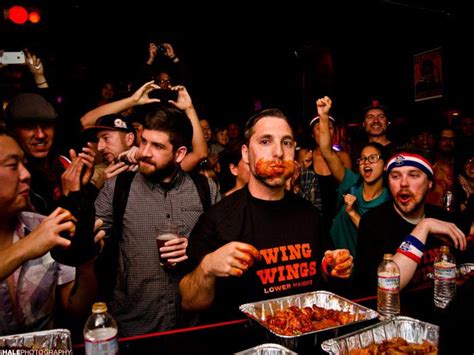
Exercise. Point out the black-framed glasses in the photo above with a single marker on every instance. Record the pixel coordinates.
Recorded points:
(371, 158)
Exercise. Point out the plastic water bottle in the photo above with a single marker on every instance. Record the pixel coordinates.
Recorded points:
(388, 288)
(444, 278)
(100, 332)
(448, 201)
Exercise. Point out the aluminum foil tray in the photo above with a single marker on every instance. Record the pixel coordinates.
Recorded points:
(410, 329)
(267, 349)
(259, 311)
(55, 339)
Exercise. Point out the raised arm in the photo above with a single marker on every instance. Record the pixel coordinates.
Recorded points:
(139, 97)
(35, 66)
(199, 144)
(198, 287)
(349, 201)
(325, 139)
(152, 52)
(411, 250)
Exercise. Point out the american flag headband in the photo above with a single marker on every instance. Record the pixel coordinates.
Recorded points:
(407, 159)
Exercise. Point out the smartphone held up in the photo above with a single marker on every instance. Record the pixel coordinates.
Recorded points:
(12, 57)
(164, 95)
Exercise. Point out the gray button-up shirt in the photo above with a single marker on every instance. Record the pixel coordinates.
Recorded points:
(146, 295)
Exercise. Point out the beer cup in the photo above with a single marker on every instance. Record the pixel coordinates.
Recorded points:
(164, 233)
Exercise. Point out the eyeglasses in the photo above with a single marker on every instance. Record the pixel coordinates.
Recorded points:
(371, 158)
(162, 81)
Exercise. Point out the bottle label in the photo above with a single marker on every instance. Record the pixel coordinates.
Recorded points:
(444, 270)
(109, 347)
(101, 341)
(388, 282)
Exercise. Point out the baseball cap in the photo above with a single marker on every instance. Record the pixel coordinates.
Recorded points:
(316, 120)
(114, 121)
(29, 107)
(374, 105)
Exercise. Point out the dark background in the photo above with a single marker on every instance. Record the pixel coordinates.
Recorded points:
(284, 56)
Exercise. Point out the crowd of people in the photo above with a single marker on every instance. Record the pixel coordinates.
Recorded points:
(261, 213)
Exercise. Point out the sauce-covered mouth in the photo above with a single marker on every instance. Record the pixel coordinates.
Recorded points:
(272, 169)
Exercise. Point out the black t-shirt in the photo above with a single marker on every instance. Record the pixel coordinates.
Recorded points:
(328, 186)
(286, 232)
(382, 230)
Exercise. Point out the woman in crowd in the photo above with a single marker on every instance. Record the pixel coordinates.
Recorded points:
(357, 192)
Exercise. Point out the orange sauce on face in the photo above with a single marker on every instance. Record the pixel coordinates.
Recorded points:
(270, 169)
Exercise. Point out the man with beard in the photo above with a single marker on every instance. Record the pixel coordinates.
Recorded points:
(406, 226)
(159, 194)
(262, 241)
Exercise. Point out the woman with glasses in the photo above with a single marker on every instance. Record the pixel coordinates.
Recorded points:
(357, 192)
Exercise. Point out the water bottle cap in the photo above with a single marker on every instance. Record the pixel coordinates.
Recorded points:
(444, 249)
(99, 307)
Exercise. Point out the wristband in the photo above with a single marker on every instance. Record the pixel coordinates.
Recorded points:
(412, 248)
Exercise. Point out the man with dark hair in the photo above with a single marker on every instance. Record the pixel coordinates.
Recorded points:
(30, 280)
(375, 124)
(159, 194)
(141, 98)
(262, 241)
(406, 226)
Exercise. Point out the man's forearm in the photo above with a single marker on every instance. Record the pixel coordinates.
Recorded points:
(407, 265)
(197, 290)
(11, 259)
(114, 107)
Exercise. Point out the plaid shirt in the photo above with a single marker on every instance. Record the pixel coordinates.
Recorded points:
(309, 187)
(35, 285)
(141, 281)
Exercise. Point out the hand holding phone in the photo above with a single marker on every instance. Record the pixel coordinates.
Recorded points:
(164, 95)
(12, 58)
